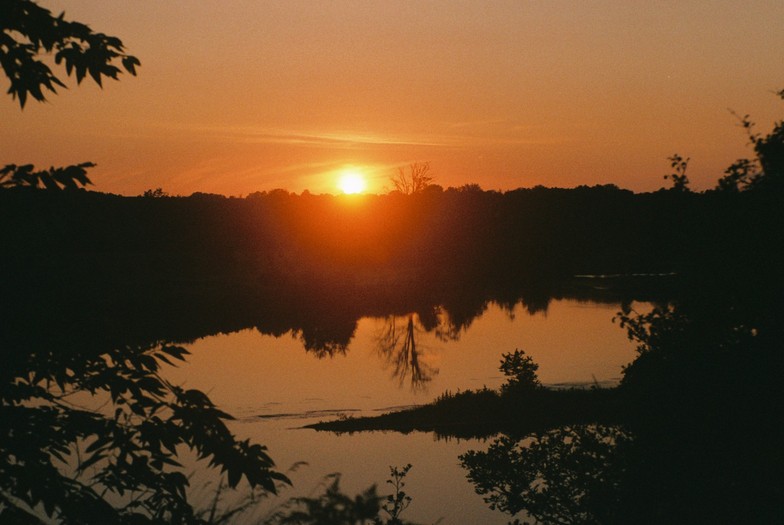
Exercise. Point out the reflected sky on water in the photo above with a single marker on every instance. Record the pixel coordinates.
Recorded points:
(274, 386)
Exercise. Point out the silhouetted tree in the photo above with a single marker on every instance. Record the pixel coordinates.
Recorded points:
(416, 180)
(520, 370)
(739, 176)
(155, 194)
(767, 169)
(680, 182)
(469, 188)
(700, 394)
(28, 30)
(567, 475)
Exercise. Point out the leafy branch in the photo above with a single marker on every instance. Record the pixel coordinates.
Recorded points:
(28, 31)
(128, 454)
(25, 176)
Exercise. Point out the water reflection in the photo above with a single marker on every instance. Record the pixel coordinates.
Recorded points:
(398, 346)
(697, 443)
(116, 453)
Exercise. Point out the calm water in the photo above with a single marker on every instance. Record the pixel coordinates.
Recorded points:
(274, 387)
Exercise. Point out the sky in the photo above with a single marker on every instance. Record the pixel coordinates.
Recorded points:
(235, 97)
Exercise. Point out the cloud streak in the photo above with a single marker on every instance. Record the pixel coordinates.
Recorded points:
(469, 135)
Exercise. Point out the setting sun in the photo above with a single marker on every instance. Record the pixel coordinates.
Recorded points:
(352, 182)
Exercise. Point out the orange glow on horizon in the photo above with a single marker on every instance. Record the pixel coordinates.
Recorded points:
(599, 96)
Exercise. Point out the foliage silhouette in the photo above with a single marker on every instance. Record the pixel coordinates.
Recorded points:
(766, 170)
(698, 441)
(568, 475)
(485, 413)
(700, 395)
(334, 507)
(28, 30)
(739, 176)
(539, 235)
(69, 177)
(680, 181)
(120, 462)
(397, 502)
(416, 180)
(698, 444)
(129, 472)
(520, 370)
(157, 193)
(331, 507)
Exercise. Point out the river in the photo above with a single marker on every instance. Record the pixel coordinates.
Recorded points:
(274, 387)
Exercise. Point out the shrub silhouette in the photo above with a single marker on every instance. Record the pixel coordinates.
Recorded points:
(520, 370)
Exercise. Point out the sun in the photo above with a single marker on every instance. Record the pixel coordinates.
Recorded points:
(352, 182)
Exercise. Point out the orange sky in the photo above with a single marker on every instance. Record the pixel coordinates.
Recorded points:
(240, 96)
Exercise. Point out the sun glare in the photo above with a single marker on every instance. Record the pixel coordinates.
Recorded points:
(352, 182)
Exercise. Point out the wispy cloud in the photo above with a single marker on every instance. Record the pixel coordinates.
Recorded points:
(454, 135)
(504, 132)
(332, 139)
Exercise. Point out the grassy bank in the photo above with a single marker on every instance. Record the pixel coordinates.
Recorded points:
(483, 413)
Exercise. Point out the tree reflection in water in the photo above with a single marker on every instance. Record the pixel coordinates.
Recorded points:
(398, 346)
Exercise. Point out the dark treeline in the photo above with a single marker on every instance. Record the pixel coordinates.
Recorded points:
(178, 268)
(434, 234)
(140, 269)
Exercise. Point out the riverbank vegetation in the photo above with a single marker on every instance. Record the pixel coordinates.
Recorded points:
(518, 408)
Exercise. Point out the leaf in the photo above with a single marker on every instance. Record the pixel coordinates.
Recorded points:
(137, 409)
(130, 63)
(148, 362)
(91, 461)
(49, 507)
(176, 352)
(95, 72)
(234, 475)
(57, 453)
(163, 358)
(81, 71)
(98, 443)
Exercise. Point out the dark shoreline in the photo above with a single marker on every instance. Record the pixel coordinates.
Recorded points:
(485, 413)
